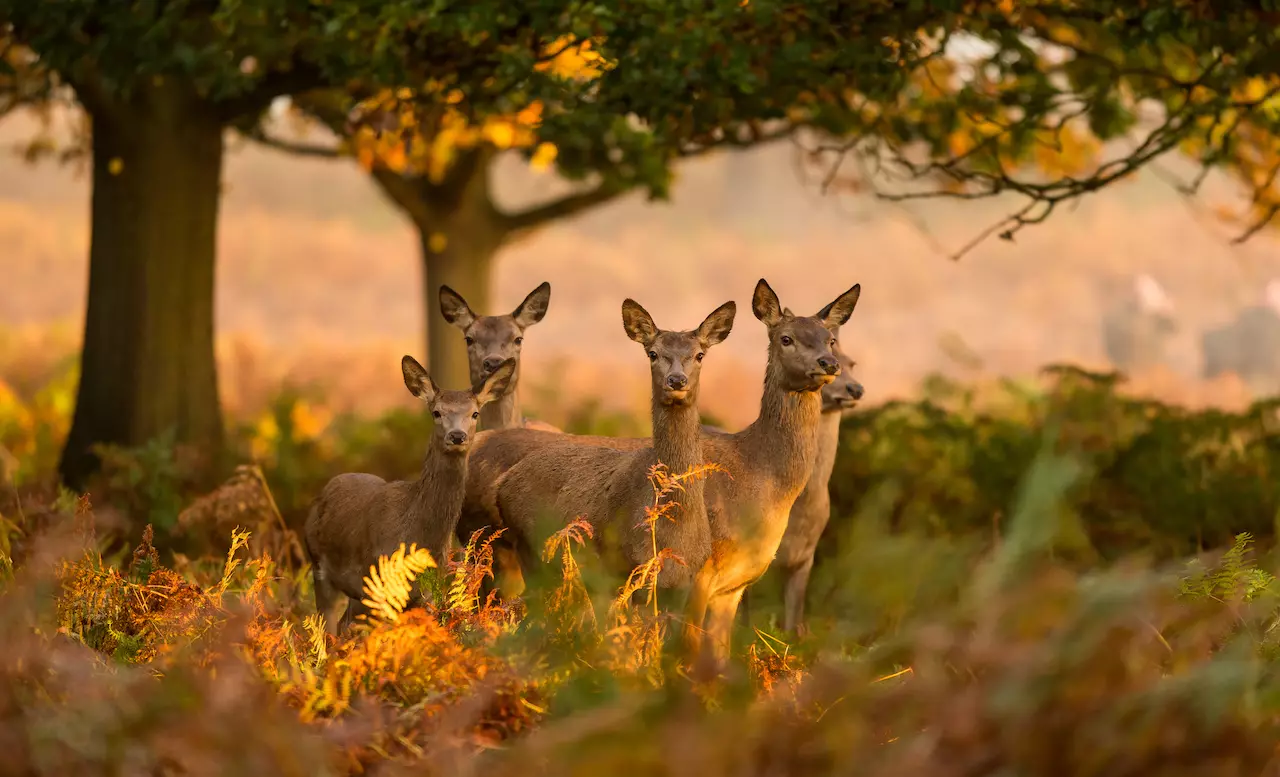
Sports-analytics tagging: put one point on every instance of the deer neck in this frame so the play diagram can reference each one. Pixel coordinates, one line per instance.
(828, 445)
(504, 412)
(784, 438)
(677, 434)
(437, 500)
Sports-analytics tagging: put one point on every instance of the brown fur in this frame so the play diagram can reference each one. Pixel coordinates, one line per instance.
(769, 463)
(493, 339)
(358, 517)
(609, 486)
(812, 509)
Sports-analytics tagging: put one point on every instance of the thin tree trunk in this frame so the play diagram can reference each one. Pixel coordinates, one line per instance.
(464, 262)
(147, 367)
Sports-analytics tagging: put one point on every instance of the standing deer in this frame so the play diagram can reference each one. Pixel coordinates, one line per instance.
(769, 463)
(812, 509)
(610, 487)
(492, 340)
(358, 517)
(1248, 346)
(1136, 331)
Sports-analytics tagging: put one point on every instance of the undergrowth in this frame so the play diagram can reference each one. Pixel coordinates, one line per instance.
(978, 610)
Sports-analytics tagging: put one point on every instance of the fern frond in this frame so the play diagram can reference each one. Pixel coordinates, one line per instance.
(314, 626)
(239, 540)
(390, 583)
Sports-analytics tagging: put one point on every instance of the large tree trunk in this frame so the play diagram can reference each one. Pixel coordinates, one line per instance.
(464, 262)
(148, 361)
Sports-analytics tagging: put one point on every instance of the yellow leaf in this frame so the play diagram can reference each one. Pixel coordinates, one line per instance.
(499, 132)
(115, 166)
(437, 242)
(544, 156)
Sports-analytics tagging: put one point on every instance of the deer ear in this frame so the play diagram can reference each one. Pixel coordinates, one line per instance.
(417, 380)
(534, 306)
(838, 312)
(455, 309)
(638, 323)
(764, 303)
(495, 384)
(716, 327)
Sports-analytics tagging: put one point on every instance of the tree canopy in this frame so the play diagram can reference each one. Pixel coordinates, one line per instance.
(1047, 100)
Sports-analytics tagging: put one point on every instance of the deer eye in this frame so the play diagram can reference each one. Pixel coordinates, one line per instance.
(471, 341)
(653, 356)
(786, 340)
(699, 356)
(476, 414)
(832, 343)
(435, 413)
(519, 340)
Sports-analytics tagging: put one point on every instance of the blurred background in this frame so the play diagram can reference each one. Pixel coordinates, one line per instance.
(319, 282)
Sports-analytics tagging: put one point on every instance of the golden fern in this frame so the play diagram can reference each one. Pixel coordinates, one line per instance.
(314, 626)
(239, 540)
(389, 584)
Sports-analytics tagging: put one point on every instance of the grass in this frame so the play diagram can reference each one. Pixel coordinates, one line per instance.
(1008, 587)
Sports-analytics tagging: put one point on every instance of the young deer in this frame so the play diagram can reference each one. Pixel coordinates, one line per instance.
(812, 509)
(770, 462)
(359, 517)
(610, 487)
(490, 341)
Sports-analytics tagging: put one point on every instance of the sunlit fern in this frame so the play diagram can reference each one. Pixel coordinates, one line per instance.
(389, 585)
(239, 540)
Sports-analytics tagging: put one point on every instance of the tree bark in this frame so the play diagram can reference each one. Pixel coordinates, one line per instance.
(464, 262)
(147, 365)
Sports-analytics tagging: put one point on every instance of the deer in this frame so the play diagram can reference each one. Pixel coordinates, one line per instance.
(358, 516)
(812, 509)
(610, 486)
(491, 340)
(769, 464)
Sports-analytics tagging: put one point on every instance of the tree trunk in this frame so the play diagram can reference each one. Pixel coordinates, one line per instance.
(464, 262)
(147, 367)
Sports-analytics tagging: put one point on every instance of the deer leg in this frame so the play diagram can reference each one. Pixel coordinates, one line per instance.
(326, 599)
(355, 608)
(695, 611)
(744, 609)
(793, 598)
(508, 574)
(720, 616)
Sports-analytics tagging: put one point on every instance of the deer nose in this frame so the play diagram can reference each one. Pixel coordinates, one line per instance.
(456, 437)
(855, 390)
(677, 382)
(491, 364)
(829, 365)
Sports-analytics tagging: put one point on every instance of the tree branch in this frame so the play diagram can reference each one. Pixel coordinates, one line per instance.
(288, 146)
(300, 77)
(565, 207)
(404, 192)
(756, 139)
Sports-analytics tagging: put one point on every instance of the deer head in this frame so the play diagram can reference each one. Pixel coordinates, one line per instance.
(843, 392)
(492, 340)
(455, 412)
(801, 348)
(675, 358)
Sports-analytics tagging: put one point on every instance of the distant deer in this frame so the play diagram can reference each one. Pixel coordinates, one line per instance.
(1136, 331)
(359, 517)
(610, 487)
(492, 340)
(1248, 346)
